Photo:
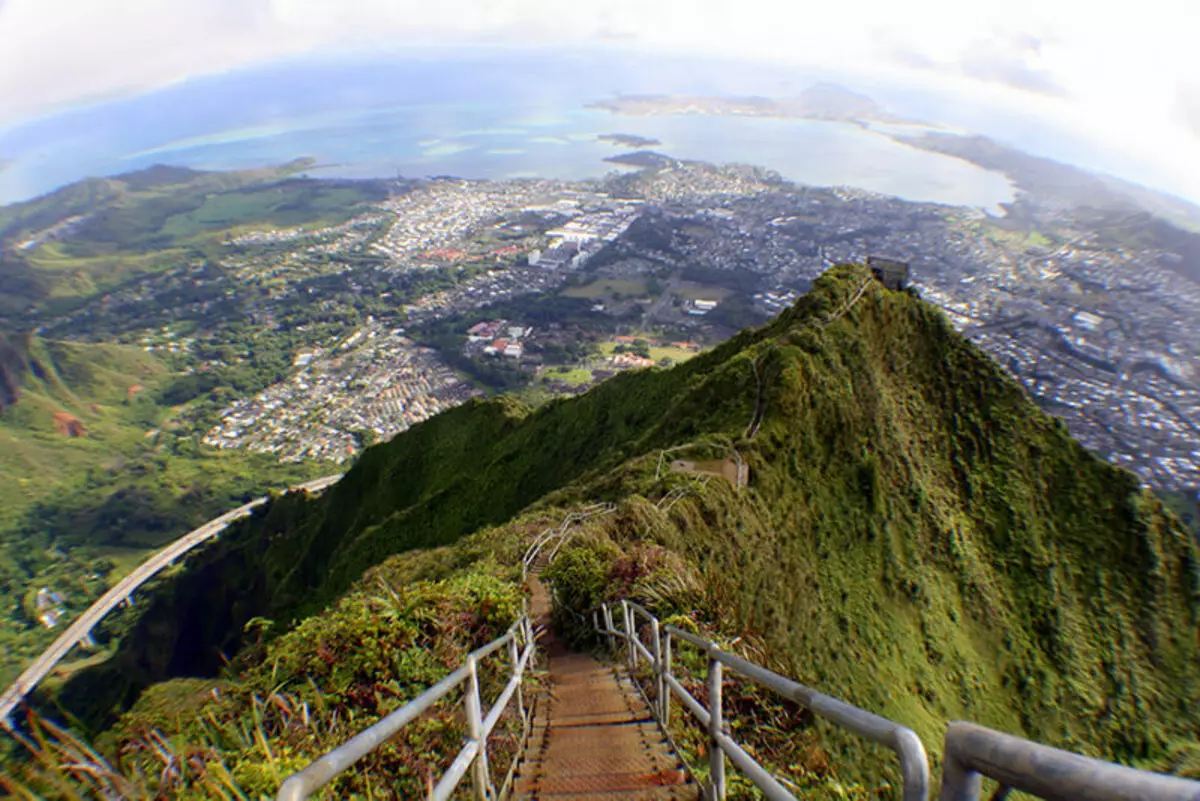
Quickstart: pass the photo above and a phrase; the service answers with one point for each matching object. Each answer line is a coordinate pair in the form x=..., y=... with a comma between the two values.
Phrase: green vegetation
x=574, y=376
x=106, y=388
x=309, y=691
x=1185, y=506
x=672, y=354
x=100, y=449
x=140, y=223
x=284, y=205
x=95, y=469
x=917, y=538
x=656, y=352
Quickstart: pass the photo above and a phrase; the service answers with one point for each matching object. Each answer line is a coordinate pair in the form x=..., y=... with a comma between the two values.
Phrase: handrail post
x=959, y=783
x=666, y=699
x=530, y=639
x=480, y=778
x=659, y=683
x=608, y=627
x=515, y=655
x=629, y=629
x=716, y=757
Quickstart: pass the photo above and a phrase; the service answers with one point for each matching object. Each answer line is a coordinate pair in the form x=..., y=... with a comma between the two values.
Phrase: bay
x=507, y=117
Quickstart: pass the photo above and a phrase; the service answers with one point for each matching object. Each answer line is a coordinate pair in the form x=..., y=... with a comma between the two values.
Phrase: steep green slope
x=917, y=537
x=90, y=383
x=402, y=627
x=1186, y=506
x=920, y=540
x=14, y=366
x=476, y=465
x=89, y=479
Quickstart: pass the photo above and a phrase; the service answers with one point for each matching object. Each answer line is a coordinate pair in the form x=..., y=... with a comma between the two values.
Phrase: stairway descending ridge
x=593, y=736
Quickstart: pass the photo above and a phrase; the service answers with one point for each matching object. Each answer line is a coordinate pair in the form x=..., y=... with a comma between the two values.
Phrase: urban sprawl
x=1100, y=330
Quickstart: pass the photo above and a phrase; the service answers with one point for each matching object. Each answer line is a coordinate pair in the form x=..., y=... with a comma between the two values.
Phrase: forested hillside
x=93, y=474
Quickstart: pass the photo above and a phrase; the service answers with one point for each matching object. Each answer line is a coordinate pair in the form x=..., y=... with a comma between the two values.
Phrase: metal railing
x=556, y=536
x=973, y=752
x=914, y=765
x=521, y=642
x=473, y=755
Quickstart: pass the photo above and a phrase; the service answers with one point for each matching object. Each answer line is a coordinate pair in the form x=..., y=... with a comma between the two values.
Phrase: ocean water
x=498, y=116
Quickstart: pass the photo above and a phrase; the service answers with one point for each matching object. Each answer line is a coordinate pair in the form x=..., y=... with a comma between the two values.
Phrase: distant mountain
x=159, y=183
x=830, y=101
x=915, y=536
x=90, y=236
x=823, y=101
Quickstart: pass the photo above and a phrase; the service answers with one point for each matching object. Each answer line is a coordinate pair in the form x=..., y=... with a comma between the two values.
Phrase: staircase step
x=688, y=792
x=605, y=738
x=672, y=780
x=593, y=736
x=600, y=719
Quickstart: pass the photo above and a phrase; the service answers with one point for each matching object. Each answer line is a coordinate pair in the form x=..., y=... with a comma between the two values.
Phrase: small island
x=643, y=158
x=824, y=102
x=628, y=140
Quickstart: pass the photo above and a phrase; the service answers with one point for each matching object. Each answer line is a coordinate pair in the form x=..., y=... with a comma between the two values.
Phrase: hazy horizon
x=224, y=121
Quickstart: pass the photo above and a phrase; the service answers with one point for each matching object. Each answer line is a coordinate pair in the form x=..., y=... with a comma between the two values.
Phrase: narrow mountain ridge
x=915, y=536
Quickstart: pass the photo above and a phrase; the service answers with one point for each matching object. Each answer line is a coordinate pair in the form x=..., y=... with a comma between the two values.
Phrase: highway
x=122, y=592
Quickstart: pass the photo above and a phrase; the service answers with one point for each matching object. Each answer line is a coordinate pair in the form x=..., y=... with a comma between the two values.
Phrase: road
x=121, y=592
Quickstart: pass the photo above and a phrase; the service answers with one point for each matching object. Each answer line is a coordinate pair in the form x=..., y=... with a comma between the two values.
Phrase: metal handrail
x=561, y=534
x=472, y=756
x=973, y=751
x=914, y=764
x=534, y=549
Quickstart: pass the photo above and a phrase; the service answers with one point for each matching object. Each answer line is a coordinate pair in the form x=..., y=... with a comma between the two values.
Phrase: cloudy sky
x=1123, y=74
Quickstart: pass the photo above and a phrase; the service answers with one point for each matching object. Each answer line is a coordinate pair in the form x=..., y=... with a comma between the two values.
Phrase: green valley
x=96, y=469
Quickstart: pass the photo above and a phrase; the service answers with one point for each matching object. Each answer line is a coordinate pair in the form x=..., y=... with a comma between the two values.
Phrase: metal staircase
x=594, y=736
x=594, y=732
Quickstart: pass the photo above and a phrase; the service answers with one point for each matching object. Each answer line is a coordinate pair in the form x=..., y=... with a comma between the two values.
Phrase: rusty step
x=593, y=736
x=669, y=783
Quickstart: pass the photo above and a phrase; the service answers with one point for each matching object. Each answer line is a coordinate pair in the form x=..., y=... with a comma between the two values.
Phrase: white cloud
x=1012, y=60
x=1188, y=105
x=1117, y=69
x=55, y=52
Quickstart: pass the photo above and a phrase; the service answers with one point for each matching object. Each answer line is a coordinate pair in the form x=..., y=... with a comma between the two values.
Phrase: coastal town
x=1098, y=328
x=1099, y=333
x=365, y=389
